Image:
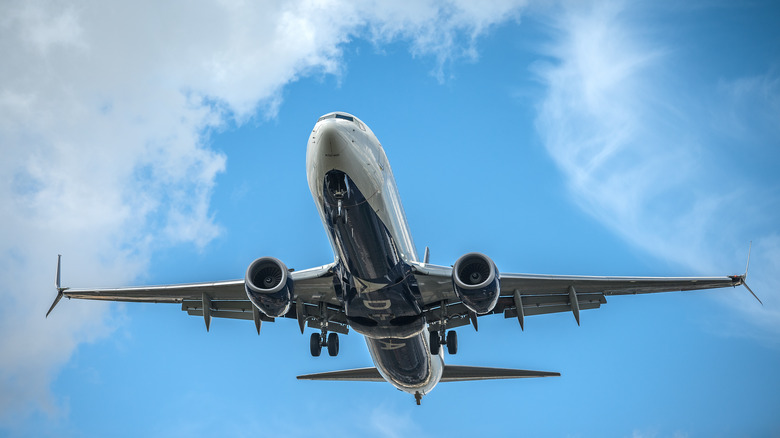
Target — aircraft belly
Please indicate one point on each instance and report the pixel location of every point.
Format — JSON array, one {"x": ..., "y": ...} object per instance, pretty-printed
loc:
[
  {"x": 356, "y": 196},
  {"x": 406, "y": 363}
]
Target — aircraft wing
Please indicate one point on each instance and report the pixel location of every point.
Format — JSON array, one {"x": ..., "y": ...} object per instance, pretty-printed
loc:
[
  {"x": 228, "y": 299},
  {"x": 533, "y": 294}
]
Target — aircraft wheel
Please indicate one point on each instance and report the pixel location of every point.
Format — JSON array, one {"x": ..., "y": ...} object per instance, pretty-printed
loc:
[
  {"x": 338, "y": 217},
  {"x": 333, "y": 344},
  {"x": 452, "y": 342},
  {"x": 315, "y": 344},
  {"x": 435, "y": 343}
]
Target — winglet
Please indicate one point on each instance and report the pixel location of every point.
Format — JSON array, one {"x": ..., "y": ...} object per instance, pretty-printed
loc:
[
  {"x": 60, "y": 289},
  {"x": 744, "y": 276},
  {"x": 751, "y": 291},
  {"x": 56, "y": 300}
]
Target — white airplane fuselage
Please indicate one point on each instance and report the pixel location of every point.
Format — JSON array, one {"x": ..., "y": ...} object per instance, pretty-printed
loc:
[{"x": 353, "y": 187}]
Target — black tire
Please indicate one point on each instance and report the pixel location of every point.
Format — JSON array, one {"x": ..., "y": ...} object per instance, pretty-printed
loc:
[
  {"x": 452, "y": 343},
  {"x": 435, "y": 343},
  {"x": 333, "y": 344},
  {"x": 334, "y": 216},
  {"x": 315, "y": 344}
]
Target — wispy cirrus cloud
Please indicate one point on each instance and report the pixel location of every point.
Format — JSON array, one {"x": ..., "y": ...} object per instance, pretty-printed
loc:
[{"x": 669, "y": 170}]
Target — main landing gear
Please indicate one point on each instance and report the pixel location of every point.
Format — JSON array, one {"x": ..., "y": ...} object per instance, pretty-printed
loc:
[
  {"x": 317, "y": 341},
  {"x": 438, "y": 339}
]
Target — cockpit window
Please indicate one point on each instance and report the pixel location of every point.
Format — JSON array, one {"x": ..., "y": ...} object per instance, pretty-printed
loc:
[{"x": 336, "y": 115}]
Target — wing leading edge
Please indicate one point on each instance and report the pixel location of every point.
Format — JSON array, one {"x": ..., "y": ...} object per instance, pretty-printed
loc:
[
  {"x": 534, "y": 294},
  {"x": 315, "y": 297}
]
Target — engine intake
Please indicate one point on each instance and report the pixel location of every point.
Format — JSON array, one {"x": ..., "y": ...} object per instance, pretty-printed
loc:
[
  {"x": 269, "y": 287},
  {"x": 476, "y": 282}
]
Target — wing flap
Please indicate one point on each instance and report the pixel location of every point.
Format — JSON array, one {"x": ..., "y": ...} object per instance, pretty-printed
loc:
[
  {"x": 224, "y": 305},
  {"x": 530, "y": 301},
  {"x": 544, "y": 304},
  {"x": 229, "y": 315},
  {"x": 543, "y": 310},
  {"x": 334, "y": 319},
  {"x": 238, "y": 309}
]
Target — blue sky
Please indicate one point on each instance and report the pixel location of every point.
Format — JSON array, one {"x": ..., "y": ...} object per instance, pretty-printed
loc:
[{"x": 153, "y": 145}]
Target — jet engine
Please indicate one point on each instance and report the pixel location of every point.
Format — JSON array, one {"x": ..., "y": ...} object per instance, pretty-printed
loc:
[
  {"x": 476, "y": 282},
  {"x": 269, "y": 287}
]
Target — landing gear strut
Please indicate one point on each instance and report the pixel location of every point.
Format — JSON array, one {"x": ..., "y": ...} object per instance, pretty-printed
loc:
[
  {"x": 417, "y": 397},
  {"x": 437, "y": 339}
]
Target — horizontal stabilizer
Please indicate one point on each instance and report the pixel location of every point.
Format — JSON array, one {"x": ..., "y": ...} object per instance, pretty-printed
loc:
[
  {"x": 461, "y": 373},
  {"x": 452, "y": 373},
  {"x": 356, "y": 375}
]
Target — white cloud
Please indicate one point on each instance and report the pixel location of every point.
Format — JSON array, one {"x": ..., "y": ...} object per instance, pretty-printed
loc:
[
  {"x": 105, "y": 112},
  {"x": 643, "y": 156}
]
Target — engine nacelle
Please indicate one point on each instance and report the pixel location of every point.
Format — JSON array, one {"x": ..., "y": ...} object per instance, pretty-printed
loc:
[
  {"x": 269, "y": 287},
  {"x": 476, "y": 282}
]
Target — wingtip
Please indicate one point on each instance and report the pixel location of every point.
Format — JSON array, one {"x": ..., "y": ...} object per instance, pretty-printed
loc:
[
  {"x": 56, "y": 300},
  {"x": 57, "y": 285},
  {"x": 751, "y": 292}
]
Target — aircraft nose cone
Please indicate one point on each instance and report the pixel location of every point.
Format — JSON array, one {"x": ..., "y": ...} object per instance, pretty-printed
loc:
[{"x": 330, "y": 141}]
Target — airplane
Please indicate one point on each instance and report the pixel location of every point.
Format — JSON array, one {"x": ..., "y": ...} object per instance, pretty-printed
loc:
[{"x": 404, "y": 306}]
